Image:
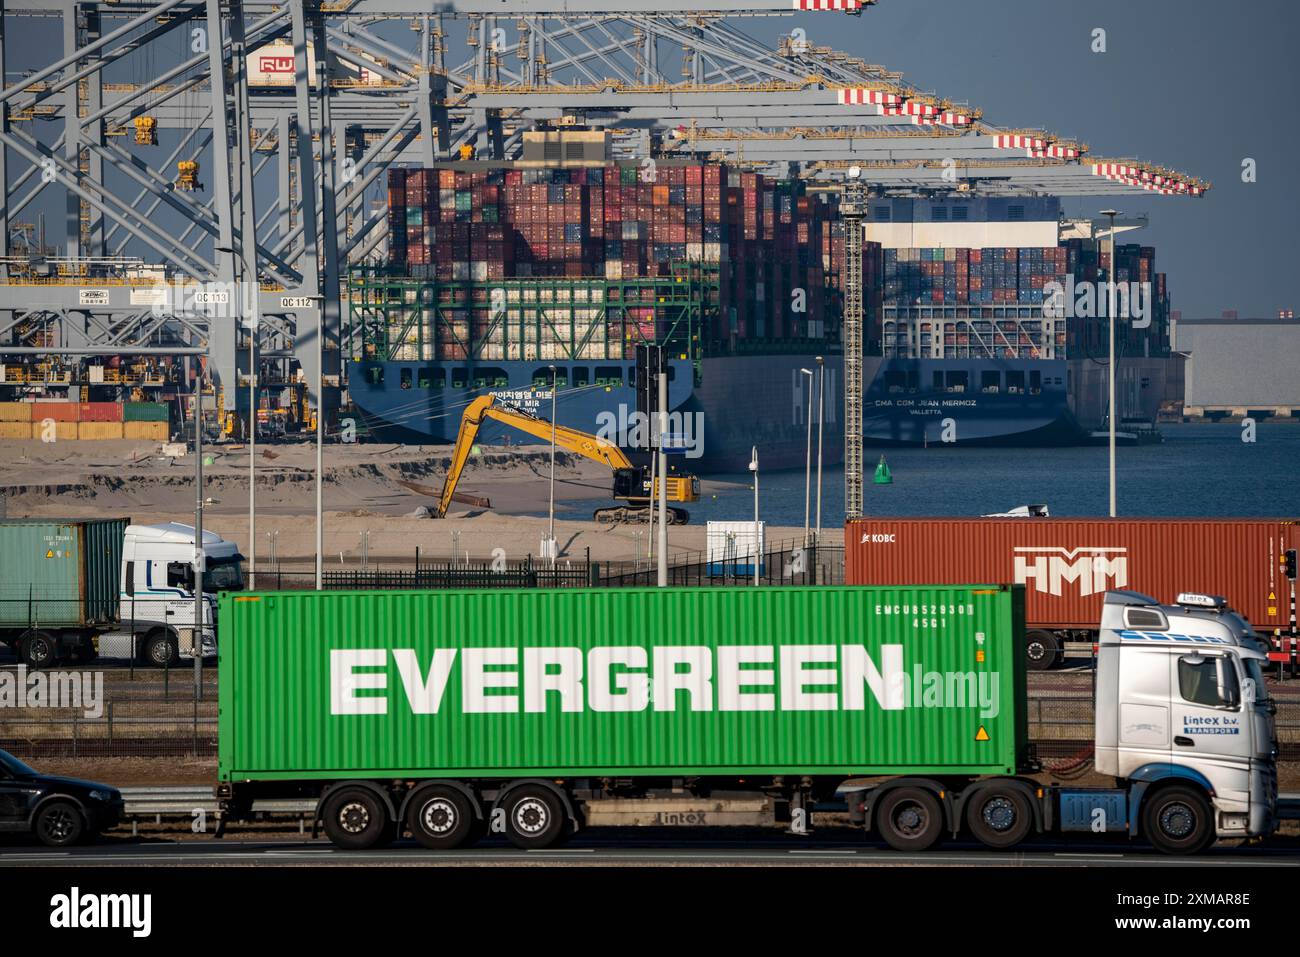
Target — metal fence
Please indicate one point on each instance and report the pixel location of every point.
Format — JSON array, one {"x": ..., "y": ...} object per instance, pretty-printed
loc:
[
  {"x": 434, "y": 575},
  {"x": 145, "y": 713},
  {"x": 784, "y": 563}
]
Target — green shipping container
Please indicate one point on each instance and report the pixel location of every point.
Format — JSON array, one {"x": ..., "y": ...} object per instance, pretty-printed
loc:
[
  {"x": 561, "y": 683},
  {"x": 59, "y": 574},
  {"x": 145, "y": 412}
]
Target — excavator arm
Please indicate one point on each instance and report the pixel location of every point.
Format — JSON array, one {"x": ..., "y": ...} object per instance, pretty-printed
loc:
[
  {"x": 571, "y": 440},
  {"x": 470, "y": 422}
]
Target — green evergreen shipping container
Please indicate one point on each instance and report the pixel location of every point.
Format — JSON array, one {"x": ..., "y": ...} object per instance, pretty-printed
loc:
[
  {"x": 574, "y": 682},
  {"x": 59, "y": 573}
]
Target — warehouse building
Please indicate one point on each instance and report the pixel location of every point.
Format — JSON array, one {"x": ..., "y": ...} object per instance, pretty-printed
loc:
[{"x": 1240, "y": 367}]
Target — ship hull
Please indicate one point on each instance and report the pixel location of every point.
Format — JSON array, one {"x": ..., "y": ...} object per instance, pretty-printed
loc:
[
  {"x": 969, "y": 402},
  {"x": 734, "y": 405}
]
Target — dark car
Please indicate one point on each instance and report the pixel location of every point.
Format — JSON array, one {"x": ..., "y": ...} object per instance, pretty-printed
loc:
[{"x": 59, "y": 811}]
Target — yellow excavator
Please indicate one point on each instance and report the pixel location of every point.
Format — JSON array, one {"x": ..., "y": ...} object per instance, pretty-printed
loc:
[{"x": 631, "y": 482}]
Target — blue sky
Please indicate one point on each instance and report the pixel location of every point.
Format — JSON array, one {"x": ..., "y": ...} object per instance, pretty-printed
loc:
[{"x": 1189, "y": 84}]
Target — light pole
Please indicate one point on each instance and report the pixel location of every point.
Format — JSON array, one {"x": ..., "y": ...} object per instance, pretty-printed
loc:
[
  {"x": 319, "y": 302},
  {"x": 758, "y": 554},
  {"x": 807, "y": 467},
  {"x": 549, "y": 545},
  {"x": 196, "y": 644},
  {"x": 251, "y": 326},
  {"x": 1110, "y": 369},
  {"x": 320, "y": 448},
  {"x": 821, "y": 419},
  {"x": 251, "y": 323},
  {"x": 662, "y": 458}
]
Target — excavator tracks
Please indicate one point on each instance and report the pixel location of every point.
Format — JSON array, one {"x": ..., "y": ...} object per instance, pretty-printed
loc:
[{"x": 624, "y": 514}]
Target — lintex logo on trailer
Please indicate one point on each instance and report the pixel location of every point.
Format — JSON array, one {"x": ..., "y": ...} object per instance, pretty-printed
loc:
[
  {"x": 633, "y": 678},
  {"x": 1095, "y": 570}
]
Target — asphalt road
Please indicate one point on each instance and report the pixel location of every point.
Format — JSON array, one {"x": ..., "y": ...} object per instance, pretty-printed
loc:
[{"x": 639, "y": 850}]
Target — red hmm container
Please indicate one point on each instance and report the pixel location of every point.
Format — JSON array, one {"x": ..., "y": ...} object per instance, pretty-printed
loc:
[{"x": 1067, "y": 565}]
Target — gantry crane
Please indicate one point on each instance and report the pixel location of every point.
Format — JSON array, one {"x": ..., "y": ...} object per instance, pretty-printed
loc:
[
  {"x": 328, "y": 101},
  {"x": 631, "y": 482}
]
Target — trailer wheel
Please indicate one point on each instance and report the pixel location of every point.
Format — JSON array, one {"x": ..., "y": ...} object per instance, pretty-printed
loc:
[
  {"x": 59, "y": 824},
  {"x": 159, "y": 649},
  {"x": 909, "y": 819},
  {"x": 1042, "y": 650},
  {"x": 534, "y": 817},
  {"x": 38, "y": 649},
  {"x": 440, "y": 818},
  {"x": 355, "y": 819},
  {"x": 1178, "y": 820},
  {"x": 999, "y": 817}
]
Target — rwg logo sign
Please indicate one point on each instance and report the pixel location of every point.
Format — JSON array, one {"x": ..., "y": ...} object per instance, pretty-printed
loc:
[{"x": 1090, "y": 570}]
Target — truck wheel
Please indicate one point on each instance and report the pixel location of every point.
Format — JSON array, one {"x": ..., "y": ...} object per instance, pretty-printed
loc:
[
  {"x": 59, "y": 824},
  {"x": 1178, "y": 820},
  {"x": 1042, "y": 650},
  {"x": 38, "y": 649},
  {"x": 909, "y": 819},
  {"x": 440, "y": 818},
  {"x": 159, "y": 649},
  {"x": 999, "y": 817},
  {"x": 355, "y": 819},
  {"x": 534, "y": 817}
]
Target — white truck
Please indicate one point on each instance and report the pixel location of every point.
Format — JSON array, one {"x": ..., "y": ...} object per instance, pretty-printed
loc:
[
  {"x": 1183, "y": 724},
  {"x": 78, "y": 589}
]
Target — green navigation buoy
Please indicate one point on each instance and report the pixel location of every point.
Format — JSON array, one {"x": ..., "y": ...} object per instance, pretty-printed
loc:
[{"x": 883, "y": 475}]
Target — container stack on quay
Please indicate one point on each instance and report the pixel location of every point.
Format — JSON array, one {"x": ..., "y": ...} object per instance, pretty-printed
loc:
[
  {"x": 608, "y": 238},
  {"x": 85, "y": 421}
]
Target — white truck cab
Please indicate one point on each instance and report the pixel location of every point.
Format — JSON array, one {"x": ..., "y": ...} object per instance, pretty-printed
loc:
[
  {"x": 1183, "y": 714},
  {"x": 157, "y": 592}
]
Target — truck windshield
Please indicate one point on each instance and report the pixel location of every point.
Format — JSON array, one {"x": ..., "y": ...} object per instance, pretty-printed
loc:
[
  {"x": 1255, "y": 672},
  {"x": 224, "y": 574}
]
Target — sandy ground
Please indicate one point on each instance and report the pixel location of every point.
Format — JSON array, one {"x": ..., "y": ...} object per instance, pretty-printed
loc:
[{"x": 371, "y": 492}]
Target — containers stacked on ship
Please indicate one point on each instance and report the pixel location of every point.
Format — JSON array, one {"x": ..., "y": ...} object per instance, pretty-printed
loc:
[
  {"x": 984, "y": 309},
  {"x": 1147, "y": 372},
  {"x": 497, "y": 272}
]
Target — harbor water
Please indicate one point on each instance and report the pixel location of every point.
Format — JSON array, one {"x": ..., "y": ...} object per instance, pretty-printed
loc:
[{"x": 1200, "y": 470}]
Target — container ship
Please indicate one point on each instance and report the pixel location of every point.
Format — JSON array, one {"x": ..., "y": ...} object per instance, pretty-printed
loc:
[
  {"x": 992, "y": 330},
  {"x": 502, "y": 277},
  {"x": 497, "y": 273}
]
